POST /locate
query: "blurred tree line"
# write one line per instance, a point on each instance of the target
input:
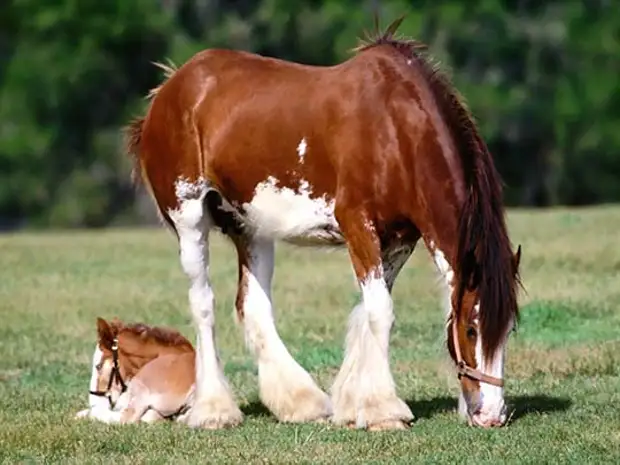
(541, 76)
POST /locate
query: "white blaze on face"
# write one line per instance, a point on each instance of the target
(301, 149)
(491, 397)
(96, 401)
(292, 214)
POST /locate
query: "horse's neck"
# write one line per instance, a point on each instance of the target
(137, 359)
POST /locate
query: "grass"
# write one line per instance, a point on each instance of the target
(563, 374)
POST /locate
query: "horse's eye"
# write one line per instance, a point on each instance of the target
(99, 366)
(471, 332)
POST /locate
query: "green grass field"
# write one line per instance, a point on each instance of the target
(563, 370)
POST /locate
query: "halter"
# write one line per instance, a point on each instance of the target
(463, 369)
(115, 374)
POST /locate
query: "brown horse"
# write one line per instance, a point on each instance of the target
(139, 373)
(373, 154)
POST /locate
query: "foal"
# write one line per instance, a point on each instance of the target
(372, 154)
(139, 373)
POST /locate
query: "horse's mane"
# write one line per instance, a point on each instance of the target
(484, 259)
(155, 334)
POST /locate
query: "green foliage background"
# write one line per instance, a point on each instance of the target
(541, 76)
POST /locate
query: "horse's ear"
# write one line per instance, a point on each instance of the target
(516, 260)
(104, 333)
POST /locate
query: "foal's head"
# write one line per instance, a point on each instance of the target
(122, 350)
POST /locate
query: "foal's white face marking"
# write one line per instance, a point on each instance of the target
(292, 214)
(96, 401)
(301, 149)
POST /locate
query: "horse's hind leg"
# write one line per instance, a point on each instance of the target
(285, 387)
(213, 406)
(364, 393)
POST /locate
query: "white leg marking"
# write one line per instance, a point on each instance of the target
(214, 405)
(151, 416)
(285, 387)
(364, 392)
(101, 413)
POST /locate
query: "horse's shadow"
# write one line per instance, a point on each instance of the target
(519, 406)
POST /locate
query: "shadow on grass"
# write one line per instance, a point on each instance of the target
(520, 405)
(428, 408)
(526, 405)
(255, 409)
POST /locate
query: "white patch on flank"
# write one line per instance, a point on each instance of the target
(96, 401)
(301, 149)
(184, 189)
(292, 215)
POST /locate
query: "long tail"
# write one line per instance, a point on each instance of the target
(133, 137)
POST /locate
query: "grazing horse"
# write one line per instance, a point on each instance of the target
(139, 373)
(372, 154)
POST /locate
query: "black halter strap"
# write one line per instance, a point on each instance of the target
(115, 374)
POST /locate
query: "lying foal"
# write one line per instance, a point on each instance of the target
(139, 373)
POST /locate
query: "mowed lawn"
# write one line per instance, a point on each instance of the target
(563, 367)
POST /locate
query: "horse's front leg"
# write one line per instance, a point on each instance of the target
(285, 387)
(100, 413)
(364, 393)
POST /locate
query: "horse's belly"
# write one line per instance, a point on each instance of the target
(294, 216)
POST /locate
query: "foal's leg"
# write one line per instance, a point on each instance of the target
(151, 416)
(285, 387)
(364, 393)
(214, 406)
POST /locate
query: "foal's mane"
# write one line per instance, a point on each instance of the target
(484, 259)
(155, 334)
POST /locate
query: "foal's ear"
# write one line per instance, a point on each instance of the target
(104, 333)
(516, 260)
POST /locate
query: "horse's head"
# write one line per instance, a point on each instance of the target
(122, 350)
(477, 333)
(109, 373)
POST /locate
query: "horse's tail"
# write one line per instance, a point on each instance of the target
(133, 137)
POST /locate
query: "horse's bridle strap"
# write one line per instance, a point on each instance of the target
(465, 370)
(115, 374)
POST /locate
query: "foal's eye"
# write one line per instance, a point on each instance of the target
(99, 366)
(471, 332)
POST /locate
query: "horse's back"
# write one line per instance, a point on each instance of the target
(281, 141)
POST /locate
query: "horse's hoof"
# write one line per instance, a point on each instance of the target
(82, 414)
(389, 425)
